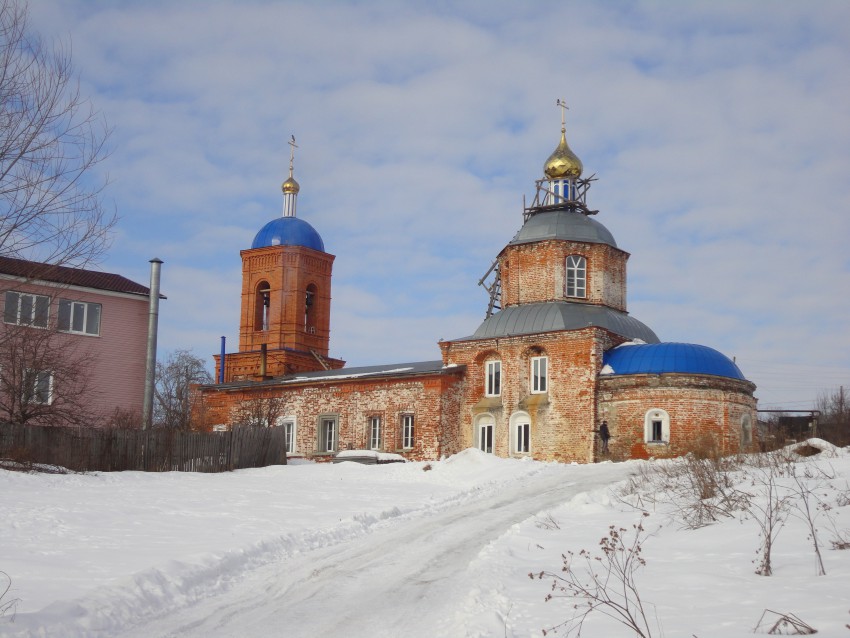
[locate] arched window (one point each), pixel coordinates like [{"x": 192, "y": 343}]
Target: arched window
[
  {"x": 576, "y": 276},
  {"x": 485, "y": 426},
  {"x": 520, "y": 433},
  {"x": 309, "y": 310},
  {"x": 657, "y": 427},
  {"x": 262, "y": 302}
]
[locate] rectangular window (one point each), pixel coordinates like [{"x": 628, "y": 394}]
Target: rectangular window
[
  {"x": 289, "y": 435},
  {"x": 657, "y": 429},
  {"x": 25, "y": 309},
  {"x": 407, "y": 431},
  {"x": 38, "y": 387},
  {"x": 494, "y": 379},
  {"x": 79, "y": 317},
  {"x": 328, "y": 434},
  {"x": 539, "y": 375},
  {"x": 523, "y": 431},
  {"x": 374, "y": 432}
]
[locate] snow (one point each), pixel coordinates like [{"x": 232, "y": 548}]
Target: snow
[
  {"x": 378, "y": 456},
  {"x": 606, "y": 369},
  {"x": 417, "y": 549}
]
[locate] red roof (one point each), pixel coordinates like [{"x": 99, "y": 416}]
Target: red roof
[{"x": 70, "y": 276}]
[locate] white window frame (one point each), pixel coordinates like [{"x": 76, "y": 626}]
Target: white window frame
[
  {"x": 539, "y": 375},
  {"x": 69, "y": 310},
  {"x": 484, "y": 423},
  {"x": 493, "y": 378},
  {"x": 375, "y": 432},
  {"x": 576, "y": 279},
  {"x": 35, "y": 318},
  {"x": 36, "y": 394},
  {"x": 328, "y": 423},
  {"x": 408, "y": 431},
  {"x": 653, "y": 417},
  {"x": 520, "y": 424},
  {"x": 288, "y": 423}
]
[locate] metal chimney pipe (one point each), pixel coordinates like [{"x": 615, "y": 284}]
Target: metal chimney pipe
[
  {"x": 221, "y": 361},
  {"x": 150, "y": 359}
]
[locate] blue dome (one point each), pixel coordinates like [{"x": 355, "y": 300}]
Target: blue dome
[
  {"x": 288, "y": 231},
  {"x": 658, "y": 358}
]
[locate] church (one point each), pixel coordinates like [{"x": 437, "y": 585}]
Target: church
[{"x": 557, "y": 355}]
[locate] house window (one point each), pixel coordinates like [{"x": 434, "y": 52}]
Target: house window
[
  {"x": 25, "y": 309},
  {"x": 539, "y": 375},
  {"x": 486, "y": 426},
  {"x": 288, "y": 426},
  {"x": 576, "y": 276},
  {"x": 328, "y": 433},
  {"x": 494, "y": 379},
  {"x": 407, "y": 431},
  {"x": 79, "y": 317},
  {"x": 657, "y": 427},
  {"x": 38, "y": 387},
  {"x": 374, "y": 432}
]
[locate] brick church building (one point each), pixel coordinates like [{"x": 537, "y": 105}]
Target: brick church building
[{"x": 557, "y": 354}]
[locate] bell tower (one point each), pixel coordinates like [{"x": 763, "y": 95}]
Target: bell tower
[{"x": 284, "y": 324}]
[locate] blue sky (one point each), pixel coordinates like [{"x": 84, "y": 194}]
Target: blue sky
[{"x": 719, "y": 132}]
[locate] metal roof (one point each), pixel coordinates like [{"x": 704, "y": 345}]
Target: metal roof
[
  {"x": 659, "y": 358},
  {"x": 561, "y": 315},
  {"x": 563, "y": 224},
  {"x": 390, "y": 370},
  {"x": 67, "y": 276},
  {"x": 288, "y": 231}
]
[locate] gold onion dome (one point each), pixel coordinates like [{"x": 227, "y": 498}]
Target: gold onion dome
[
  {"x": 290, "y": 186},
  {"x": 563, "y": 163}
]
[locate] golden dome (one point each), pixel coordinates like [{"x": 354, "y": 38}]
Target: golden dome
[
  {"x": 290, "y": 186},
  {"x": 563, "y": 163}
]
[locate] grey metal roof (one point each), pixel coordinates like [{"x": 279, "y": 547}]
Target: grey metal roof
[
  {"x": 561, "y": 315},
  {"x": 387, "y": 370},
  {"x": 563, "y": 224}
]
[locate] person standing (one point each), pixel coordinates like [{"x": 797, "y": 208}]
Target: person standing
[{"x": 604, "y": 434}]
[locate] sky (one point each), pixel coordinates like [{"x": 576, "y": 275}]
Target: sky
[
  {"x": 382, "y": 551},
  {"x": 718, "y": 132}
]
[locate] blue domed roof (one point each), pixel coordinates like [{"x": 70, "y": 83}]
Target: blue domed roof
[
  {"x": 658, "y": 358},
  {"x": 288, "y": 231}
]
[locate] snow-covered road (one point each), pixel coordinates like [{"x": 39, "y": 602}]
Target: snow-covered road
[{"x": 403, "y": 578}]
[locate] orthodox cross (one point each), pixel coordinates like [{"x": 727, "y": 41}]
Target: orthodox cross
[
  {"x": 293, "y": 146},
  {"x": 563, "y": 106}
]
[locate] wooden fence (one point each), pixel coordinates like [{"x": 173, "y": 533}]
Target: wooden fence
[{"x": 159, "y": 450}]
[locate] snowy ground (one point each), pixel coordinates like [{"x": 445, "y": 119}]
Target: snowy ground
[{"x": 394, "y": 550}]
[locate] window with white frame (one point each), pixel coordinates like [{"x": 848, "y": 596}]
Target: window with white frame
[
  {"x": 25, "y": 309},
  {"x": 374, "y": 432},
  {"x": 288, "y": 425},
  {"x": 328, "y": 433},
  {"x": 539, "y": 375},
  {"x": 576, "y": 276},
  {"x": 38, "y": 387},
  {"x": 657, "y": 426},
  {"x": 79, "y": 317},
  {"x": 493, "y": 387},
  {"x": 520, "y": 433},
  {"x": 407, "y": 431},
  {"x": 486, "y": 424}
]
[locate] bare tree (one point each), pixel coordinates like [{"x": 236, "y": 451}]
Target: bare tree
[
  {"x": 44, "y": 378},
  {"x": 174, "y": 401},
  {"x": 50, "y": 139},
  {"x": 261, "y": 411}
]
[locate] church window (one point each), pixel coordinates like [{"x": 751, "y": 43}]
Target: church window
[
  {"x": 309, "y": 310},
  {"x": 576, "y": 276},
  {"x": 493, "y": 386},
  {"x": 407, "y": 431},
  {"x": 485, "y": 424},
  {"x": 657, "y": 426},
  {"x": 262, "y": 304},
  {"x": 374, "y": 432},
  {"x": 746, "y": 431},
  {"x": 539, "y": 375},
  {"x": 521, "y": 433},
  {"x": 328, "y": 433}
]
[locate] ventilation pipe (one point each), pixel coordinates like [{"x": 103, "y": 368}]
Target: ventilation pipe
[
  {"x": 150, "y": 359},
  {"x": 221, "y": 362}
]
